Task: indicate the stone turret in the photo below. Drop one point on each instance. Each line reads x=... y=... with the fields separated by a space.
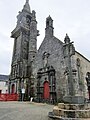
x=33 y=38
x=49 y=27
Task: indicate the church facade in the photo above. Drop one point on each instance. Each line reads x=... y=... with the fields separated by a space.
x=51 y=72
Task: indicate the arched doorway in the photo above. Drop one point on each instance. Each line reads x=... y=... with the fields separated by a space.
x=46 y=90
x=13 y=89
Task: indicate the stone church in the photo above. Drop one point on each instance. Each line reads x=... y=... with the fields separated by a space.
x=53 y=71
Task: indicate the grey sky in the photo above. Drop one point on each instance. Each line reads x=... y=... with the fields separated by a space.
x=70 y=16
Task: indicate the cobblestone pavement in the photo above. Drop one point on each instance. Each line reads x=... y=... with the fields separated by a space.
x=24 y=111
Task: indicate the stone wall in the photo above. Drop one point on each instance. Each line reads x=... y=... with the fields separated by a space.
x=54 y=47
x=84 y=68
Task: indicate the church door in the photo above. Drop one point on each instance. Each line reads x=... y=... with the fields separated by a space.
x=46 y=90
x=13 y=88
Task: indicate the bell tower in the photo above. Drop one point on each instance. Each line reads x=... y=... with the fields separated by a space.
x=24 y=51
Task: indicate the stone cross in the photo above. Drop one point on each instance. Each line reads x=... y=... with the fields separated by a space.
x=68 y=52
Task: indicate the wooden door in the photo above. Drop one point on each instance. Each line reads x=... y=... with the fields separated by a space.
x=46 y=90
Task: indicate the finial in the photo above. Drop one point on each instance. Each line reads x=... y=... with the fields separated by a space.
x=27 y=6
x=49 y=17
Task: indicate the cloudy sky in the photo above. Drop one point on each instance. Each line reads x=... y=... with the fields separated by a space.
x=70 y=16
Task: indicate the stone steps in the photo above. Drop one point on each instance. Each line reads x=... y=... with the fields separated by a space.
x=70 y=112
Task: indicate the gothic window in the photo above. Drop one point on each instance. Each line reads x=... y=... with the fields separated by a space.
x=28 y=20
x=47 y=23
x=88 y=78
x=88 y=83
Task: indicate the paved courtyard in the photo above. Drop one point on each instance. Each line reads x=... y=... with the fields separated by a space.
x=24 y=111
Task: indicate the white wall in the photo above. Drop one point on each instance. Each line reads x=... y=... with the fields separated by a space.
x=3 y=86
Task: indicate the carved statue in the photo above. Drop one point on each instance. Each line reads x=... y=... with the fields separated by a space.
x=45 y=59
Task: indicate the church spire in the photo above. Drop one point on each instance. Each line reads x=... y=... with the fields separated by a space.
x=27 y=6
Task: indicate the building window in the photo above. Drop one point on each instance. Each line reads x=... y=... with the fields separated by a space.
x=88 y=83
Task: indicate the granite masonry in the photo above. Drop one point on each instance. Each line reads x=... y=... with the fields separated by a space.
x=44 y=73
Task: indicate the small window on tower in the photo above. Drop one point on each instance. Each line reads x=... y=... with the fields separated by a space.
x=47 y=23
x=28 y=20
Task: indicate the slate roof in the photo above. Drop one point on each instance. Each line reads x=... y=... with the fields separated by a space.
x=4 y=77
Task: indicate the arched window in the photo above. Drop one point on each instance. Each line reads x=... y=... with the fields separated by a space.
x=28 y=20
x=88 y=82
x=13 y=88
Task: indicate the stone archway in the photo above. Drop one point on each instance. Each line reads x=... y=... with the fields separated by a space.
x=46 y=85
x=46 y=90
